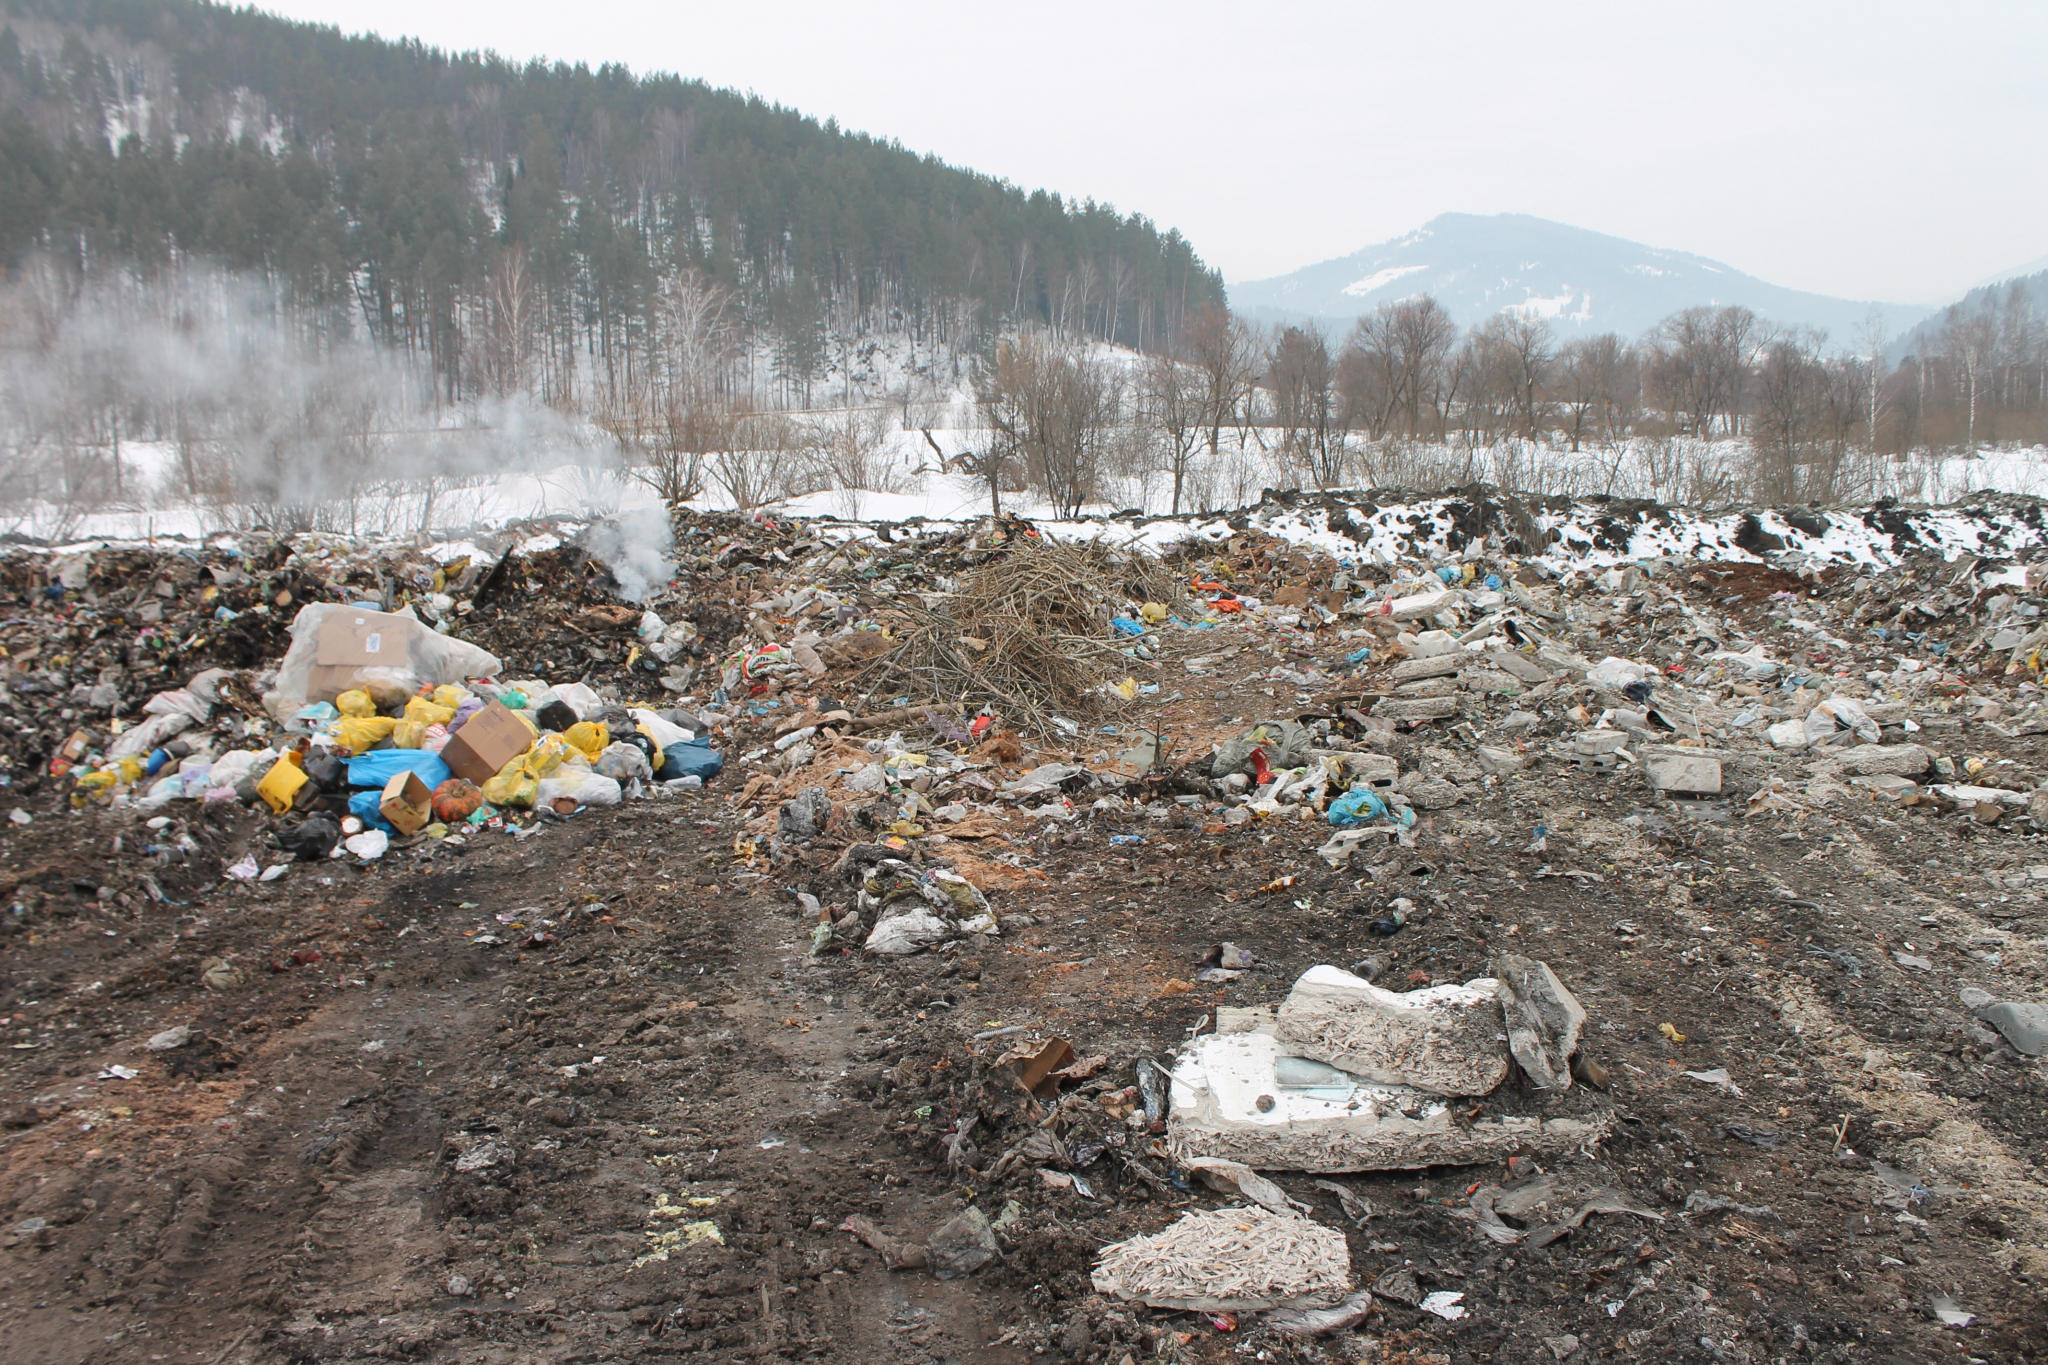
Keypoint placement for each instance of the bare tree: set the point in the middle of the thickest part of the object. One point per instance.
(673, 416)
(1051, 408)
(849, 452)
(1303, 378)
(1224, 351)
(1595, 388)
(1170, 400)
(757, 456)
(1699, 365)
(509, 326)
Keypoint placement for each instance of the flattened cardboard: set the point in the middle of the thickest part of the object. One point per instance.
(486, 742)
(363, 639)
(352, 640)
(406, 803)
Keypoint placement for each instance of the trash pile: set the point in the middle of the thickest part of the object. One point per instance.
(374, 726)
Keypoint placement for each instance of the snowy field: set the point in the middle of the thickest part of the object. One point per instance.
(584, 480)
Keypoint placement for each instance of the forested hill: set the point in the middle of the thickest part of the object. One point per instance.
(412, 187)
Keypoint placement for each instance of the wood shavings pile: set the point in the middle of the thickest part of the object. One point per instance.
(1229, 1260)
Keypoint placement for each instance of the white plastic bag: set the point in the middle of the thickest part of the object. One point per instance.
(624, 762)
(581, 699)
(138, 740)
(662, 732)
(180, 701)
(581, 786)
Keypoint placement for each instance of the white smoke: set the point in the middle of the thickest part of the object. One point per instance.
(253, 411)
(635, 546)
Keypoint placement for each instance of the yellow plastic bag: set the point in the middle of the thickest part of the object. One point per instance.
(355, 702)
(548, 753)
(589, 736)
(516, 784)
(358, 733)
(1154, 613)
(451, 696)
(427, 712)
(409, 734)
(91, 785)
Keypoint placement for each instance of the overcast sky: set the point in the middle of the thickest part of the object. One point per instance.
(1874, 150)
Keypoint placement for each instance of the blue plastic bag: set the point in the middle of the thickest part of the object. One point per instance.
(1357, 806)
(1124, 625)
(691, 758)
(379, 766)
(363, 805)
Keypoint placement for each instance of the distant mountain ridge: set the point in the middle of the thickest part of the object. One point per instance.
(1579, 280)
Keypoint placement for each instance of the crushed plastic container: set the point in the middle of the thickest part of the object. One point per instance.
(280, 786)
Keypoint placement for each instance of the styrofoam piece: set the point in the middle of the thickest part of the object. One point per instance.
(1214, 1111)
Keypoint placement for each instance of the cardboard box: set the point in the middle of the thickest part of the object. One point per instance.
(486, 742)
(352, 640)
(407, 803)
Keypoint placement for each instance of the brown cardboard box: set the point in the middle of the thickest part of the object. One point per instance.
(486, 742)
(407, 803)
(357, 639)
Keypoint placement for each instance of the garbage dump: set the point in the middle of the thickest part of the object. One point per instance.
(1179, 935)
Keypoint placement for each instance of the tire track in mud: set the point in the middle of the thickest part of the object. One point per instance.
(1953, 1137)
(528, 1181)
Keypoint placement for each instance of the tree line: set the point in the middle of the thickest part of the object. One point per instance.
(1807, 416)
(521, 227)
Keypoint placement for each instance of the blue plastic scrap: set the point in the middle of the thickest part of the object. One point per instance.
(379, 766)
(1357, 806)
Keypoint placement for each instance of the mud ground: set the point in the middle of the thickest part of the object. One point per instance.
(585, 1096)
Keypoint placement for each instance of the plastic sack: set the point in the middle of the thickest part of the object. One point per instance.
(516, 784)
(580, 698)
(591, 737)
(355, 702)
(374, 770)
(584, 788)
(450, 695)
(409, 734)
(431, 658)
(231, 768)
(693, 758)
(663, 733)
(358, 733)
(427, 712)
(164, 703)
(624, 763)
(138, 740)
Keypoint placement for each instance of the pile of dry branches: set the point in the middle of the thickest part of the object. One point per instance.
(1028, 633)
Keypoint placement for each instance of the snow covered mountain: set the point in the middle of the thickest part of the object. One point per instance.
(1580, 280)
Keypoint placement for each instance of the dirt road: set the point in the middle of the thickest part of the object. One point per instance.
(586, 1096)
